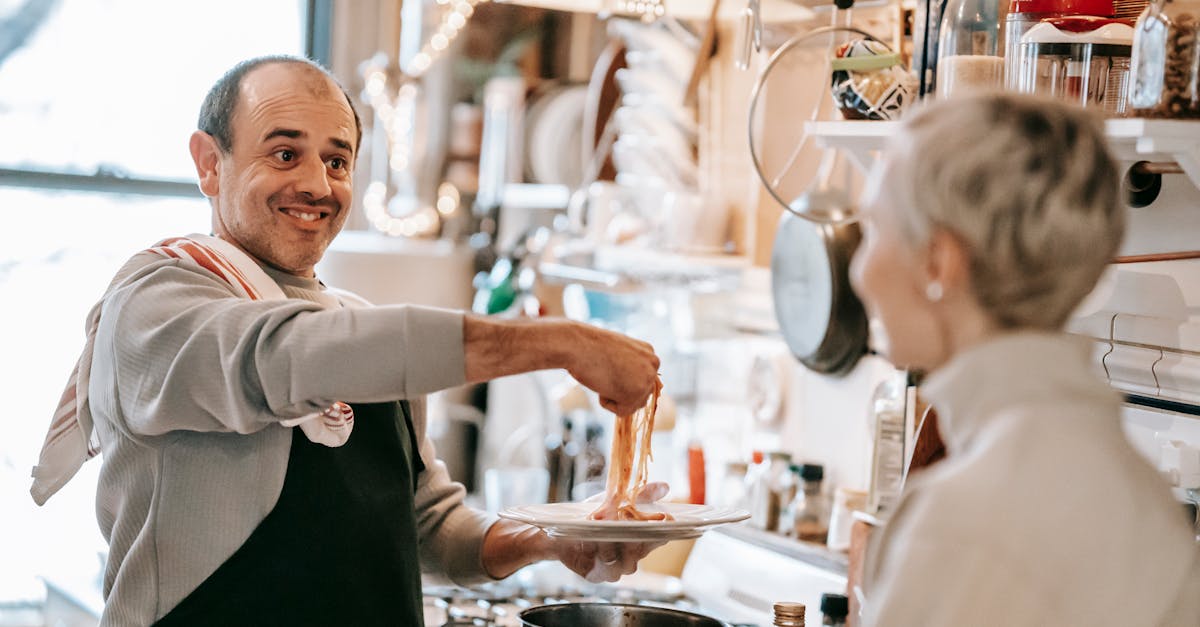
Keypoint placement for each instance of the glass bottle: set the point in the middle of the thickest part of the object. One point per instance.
(1164, 64)
(765, 505)
(834, 609)
(733, 486)
(590, 462)
(789, 614)
(809, 510)
(561, 452)
(927, 19)
(969, 47)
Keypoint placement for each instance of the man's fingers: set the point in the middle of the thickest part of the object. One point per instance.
(652, 492)
(608, 553)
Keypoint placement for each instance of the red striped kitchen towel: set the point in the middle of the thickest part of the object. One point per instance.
(71, 439)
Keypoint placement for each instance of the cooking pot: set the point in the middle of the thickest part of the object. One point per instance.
(612, 615)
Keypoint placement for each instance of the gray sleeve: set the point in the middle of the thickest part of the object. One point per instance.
(451, 533)
(187, 353)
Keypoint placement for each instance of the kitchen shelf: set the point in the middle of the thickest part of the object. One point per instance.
(1131, 139)
(773, 11)
(629, 268)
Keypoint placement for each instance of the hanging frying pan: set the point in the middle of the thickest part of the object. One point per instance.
(821, 319)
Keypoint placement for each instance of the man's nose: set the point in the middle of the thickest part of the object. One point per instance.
(312, 178)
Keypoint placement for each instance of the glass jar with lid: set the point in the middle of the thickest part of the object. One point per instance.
(1025, 14)
(1165, 65)
(969, 47)
(1080, 59)
(765, 500)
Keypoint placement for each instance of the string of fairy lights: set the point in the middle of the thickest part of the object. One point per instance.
(398, 115)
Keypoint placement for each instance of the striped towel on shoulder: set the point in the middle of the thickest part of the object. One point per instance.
(72, 440)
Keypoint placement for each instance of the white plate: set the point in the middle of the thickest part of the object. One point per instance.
(570, 520)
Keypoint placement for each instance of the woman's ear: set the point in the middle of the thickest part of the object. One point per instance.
(948, 264)
(207, 157)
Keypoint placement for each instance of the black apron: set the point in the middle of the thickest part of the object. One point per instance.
(340, 546)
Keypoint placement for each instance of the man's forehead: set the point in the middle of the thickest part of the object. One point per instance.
(284, 86)
(273, 78)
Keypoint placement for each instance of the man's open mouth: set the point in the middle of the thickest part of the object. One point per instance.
(307, 215)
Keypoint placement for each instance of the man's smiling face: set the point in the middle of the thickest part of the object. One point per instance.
(285, 184)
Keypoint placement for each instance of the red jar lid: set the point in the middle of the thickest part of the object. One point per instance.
(1102, 8)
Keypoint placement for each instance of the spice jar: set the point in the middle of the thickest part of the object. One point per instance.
(1165, 70)
(765, 494)
(809, 511)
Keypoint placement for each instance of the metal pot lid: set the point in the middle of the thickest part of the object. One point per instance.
(821, 319)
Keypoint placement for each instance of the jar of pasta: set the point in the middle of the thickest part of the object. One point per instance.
(1165, 65)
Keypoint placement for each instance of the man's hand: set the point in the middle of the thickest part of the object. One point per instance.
(602, 561)
(510, 545)
(620, 369)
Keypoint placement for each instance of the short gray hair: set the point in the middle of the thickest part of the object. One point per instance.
(216, 112)
(1027, 184)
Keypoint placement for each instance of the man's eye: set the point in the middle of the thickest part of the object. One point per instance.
(337, 163)
(285, 155)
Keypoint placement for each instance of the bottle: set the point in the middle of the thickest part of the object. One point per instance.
(733, 486)
(810, 513)
(834, 609)
(887, 457)
(754, 473)
(561, 452)
(765, 505)
(1165, 65)
(969, 48)
(696, 476)
(589, 466)
(787, 515)
(927, 17)
(789, 614)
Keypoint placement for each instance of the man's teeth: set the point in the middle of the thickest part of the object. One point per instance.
(307, 217)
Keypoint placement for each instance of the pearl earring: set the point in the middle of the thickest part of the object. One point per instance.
(933, 291)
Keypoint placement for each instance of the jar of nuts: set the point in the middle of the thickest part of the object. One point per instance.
(1165, 64)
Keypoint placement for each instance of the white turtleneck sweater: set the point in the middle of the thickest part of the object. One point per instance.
(1041, 514)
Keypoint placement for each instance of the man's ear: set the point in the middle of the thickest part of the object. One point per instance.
(948, 262)
(207, 157)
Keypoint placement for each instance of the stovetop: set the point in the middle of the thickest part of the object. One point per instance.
(499, 604)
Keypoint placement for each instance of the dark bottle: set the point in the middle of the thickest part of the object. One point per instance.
(561, 451)
(590, 464)
(834, 609)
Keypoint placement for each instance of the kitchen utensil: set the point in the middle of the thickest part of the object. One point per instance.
(822, 202)
(708, 48)
(822, 321)
(612, 615)
(1080, 59)
(1025, 14)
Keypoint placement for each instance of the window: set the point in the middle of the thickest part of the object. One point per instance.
(97, 100)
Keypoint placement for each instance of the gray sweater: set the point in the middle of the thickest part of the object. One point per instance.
(1041, 514)
(188, 386)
